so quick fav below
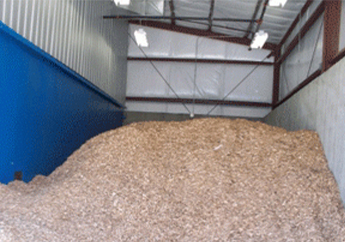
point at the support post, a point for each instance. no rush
(276, 77)
(331, 32)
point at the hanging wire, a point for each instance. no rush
(285, 80)
(238, 84)
(314, 51)
(160, 74)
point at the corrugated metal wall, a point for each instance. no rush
(47, 111)
(74, 32)
(320, 107)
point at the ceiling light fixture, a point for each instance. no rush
(122, 2)
(140, 38)
(277, 3)
(259, 40)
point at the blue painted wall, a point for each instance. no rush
(47, 111)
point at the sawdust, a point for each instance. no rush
(198, 180)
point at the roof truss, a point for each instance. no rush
(199, 32)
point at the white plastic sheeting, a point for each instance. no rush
(199, 81)
(166, 44)
(74, 32)
(302, 61)
(301, 22)
(213, 81)
(342, 27)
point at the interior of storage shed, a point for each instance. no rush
(210, 120)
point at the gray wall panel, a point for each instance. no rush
(74, 32)
(320, 107)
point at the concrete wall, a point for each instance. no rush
(320, 107)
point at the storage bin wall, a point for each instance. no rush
(63, 74)
(314, 104)
(320, 107)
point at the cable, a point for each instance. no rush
(314, 51)
(160, 74)
(238, 84)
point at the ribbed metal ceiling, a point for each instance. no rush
(225, 18)
(276, 20)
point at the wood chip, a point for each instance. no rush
(200, 180)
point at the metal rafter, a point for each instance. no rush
(210, 16)
(193, 60)
(251, 25)
(172, 11)
(200, 101)
(182, 18)
(199, 32)
(295, 22)
(313, 18)
(217, 25)
(332, 18)
(260, 20)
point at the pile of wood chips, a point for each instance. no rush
(198, 180)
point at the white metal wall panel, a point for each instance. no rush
(298, 66)
(74, 32)
(171, 44)
(320, 107)
(300, 24)
(213, 81)
(342, 27)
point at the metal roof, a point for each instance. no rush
(233, 18)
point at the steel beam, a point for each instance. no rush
(295, 22)
(135, 17)
(276, 78)
(210, 16)
(199, 32)
(172, 10)
(313, 18)
(331, 32)
(256, 11)
(260, 20)
(199, 101)
(193, 60)
(299, 87)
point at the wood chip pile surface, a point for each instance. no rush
(198, 180)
